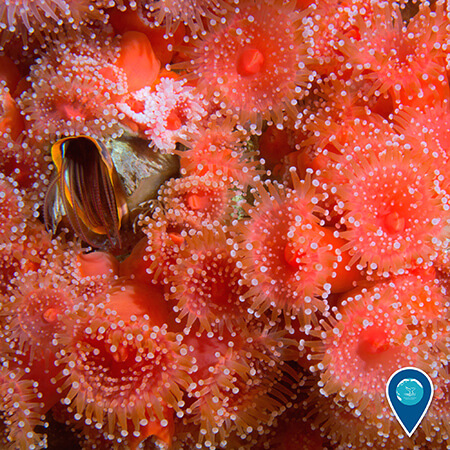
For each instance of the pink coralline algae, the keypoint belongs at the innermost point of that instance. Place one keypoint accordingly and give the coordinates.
(223, 223)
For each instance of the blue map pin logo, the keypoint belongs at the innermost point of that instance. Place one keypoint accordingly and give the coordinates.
(409, 391)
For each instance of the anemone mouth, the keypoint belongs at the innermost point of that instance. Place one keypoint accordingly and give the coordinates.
(373, 345)
(195, 201)
(393, 222)
(250, 62)
(45, 307)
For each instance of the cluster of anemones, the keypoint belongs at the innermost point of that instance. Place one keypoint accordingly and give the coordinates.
(274, 176)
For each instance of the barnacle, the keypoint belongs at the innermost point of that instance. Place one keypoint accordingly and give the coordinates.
(87, 189)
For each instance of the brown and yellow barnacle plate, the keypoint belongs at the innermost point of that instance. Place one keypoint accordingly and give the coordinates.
(87, 189)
